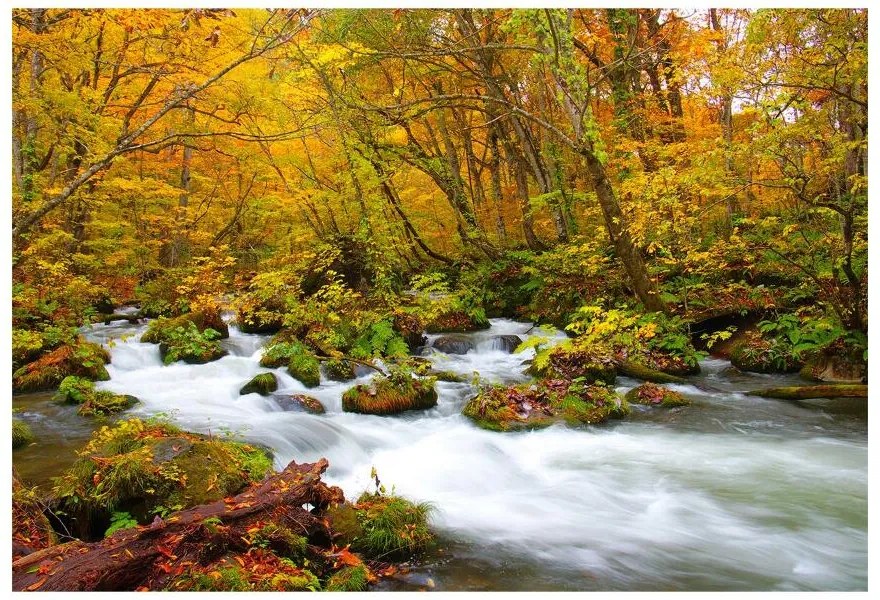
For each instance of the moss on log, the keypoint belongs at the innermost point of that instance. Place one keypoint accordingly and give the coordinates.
(637, 371)
(805, 392)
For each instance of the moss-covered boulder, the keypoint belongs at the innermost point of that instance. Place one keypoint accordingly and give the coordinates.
(304, 367)
(81, 358)
(651, 394)
(568, 363)
(142, 467)
(263, 384)
(339, 369)
(837, 363)
(22, 435)
(382, 527)
(279, 349)
(300, 403)
(159, 330)
(92, 402)
(541, 404)
(190, 345)
(391, 395)
(457, 321)
(411, 328)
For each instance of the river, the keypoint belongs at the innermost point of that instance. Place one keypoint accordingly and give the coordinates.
(731, 493)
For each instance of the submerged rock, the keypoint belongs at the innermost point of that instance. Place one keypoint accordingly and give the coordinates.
(390, 395)
(263, 384)
(300, 403)
(453, 344)
(651, 394)
(541, 404)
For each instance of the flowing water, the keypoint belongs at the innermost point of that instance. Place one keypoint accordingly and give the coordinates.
(731, 493)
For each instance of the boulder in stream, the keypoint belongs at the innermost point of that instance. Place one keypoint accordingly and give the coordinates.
(506, 343)
(300, 403)
(544, 403)
(161, 329)
(651, 394)
(570, 363)
(92, 402)
(453, 344)
(262, 384)
(81, 358)
(391, 395)
(339, 369)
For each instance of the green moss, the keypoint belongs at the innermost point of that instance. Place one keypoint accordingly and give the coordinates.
(143, 466)
(566, 363)
(263, 384)
(189, 344)
(281, 540)
(339, 370)
(227, 579)
(22, 435)
(457, 321)
(81, 358)
(105, 403)
(390, 395)
(304, 367)
(549, 401)
(348, 579)
(74, 390)
(161, 329)
(344, 523)
(393, 527)
(651, 394)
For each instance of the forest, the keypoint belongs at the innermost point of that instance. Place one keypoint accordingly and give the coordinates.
(439, 299)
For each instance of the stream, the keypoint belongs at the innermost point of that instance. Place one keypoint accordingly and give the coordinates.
(731, 493)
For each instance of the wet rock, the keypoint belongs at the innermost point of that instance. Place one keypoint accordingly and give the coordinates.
(831, 367)
(390, 395)
(300, 403)
(453, 344)
(263, 384)
(651, 394)
(537, 405)
(339, 370)
(506, 343)
(170, 448)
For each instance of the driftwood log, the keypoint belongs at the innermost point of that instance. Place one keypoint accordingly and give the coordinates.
(148, 557)
(805, 392)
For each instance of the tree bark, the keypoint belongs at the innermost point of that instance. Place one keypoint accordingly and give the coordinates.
(150, 556)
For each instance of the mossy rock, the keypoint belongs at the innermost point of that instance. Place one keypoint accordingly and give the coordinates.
(22, 435)
(301, 403)
(651, 394)
(411, 329)
(26, 347)
(304, 367)
(448, 376)
(339, 369)
(83, 359)
(279, 349)
(836, 367)
(390, 395)
(158, 331)
(92, 402)
(755, 354)
(563, 363)
(456, 321)
(537, 405)
(192, 355)
(141, 466)
(262, 384)
(667, 363)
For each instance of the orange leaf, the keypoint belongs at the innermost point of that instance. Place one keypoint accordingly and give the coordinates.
(35, 586)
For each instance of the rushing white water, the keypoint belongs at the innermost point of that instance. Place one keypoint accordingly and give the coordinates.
(733, 492)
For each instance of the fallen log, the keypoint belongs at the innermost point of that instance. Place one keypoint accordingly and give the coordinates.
(805, 392)
(148, 557)
(637, 371)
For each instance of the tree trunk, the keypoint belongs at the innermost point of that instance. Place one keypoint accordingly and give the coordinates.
(150, 556)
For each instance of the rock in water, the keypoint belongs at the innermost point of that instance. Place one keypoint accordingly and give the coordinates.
(453, 344)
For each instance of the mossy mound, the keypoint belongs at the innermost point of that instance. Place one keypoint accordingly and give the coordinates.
(279, 349)
(22, 435)
(31, 530)
(304, 367)
(663, 362)
(83, 359)
(564, 363)
(142, 467)
(651, 394)
(758, 355)
(161, 329)
(456, 321)
(391, 395)
(382, 527)
(262, 384)
(541, 404)
(190, 345)
(92, 402)
(348, 579)
(301, 403)
(339, 369)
